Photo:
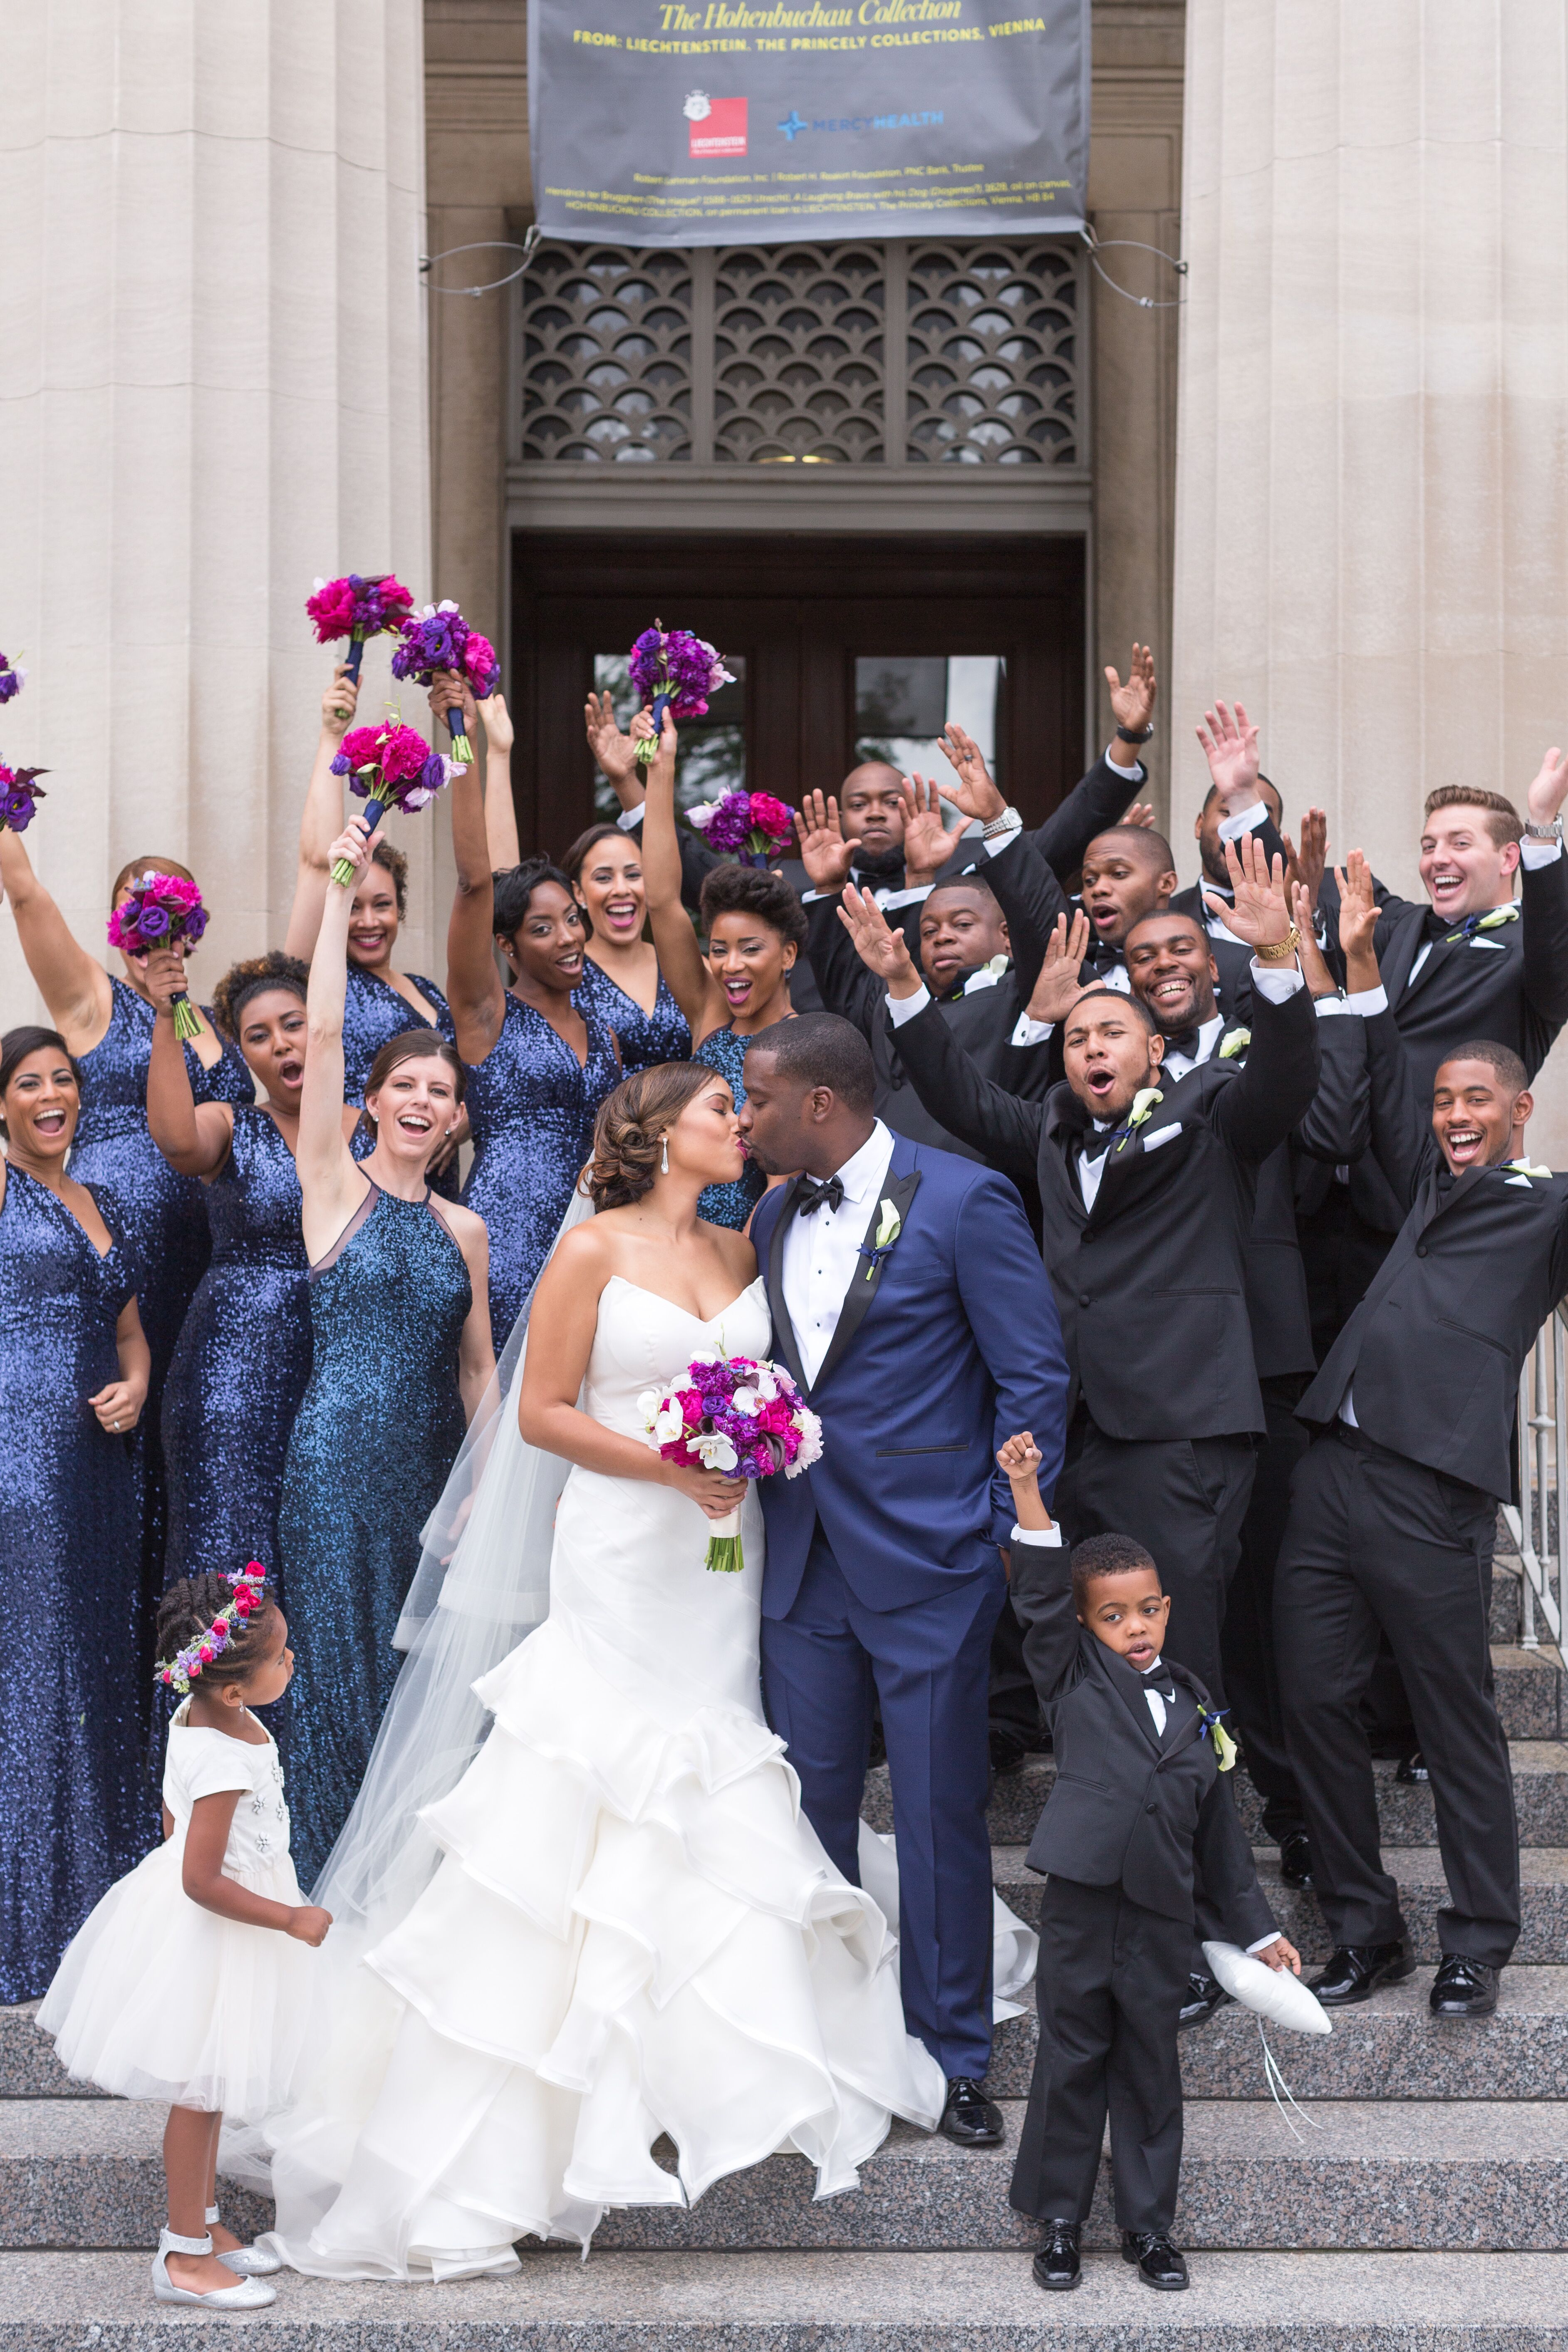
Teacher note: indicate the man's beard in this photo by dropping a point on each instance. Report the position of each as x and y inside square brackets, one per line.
[881, 865]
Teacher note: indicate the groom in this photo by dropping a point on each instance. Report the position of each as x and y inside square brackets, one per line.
[910, 1302]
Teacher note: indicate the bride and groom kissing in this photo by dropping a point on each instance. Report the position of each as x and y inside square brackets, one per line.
[651, 1908]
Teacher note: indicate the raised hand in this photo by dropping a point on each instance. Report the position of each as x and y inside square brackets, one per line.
[338, 704]
[1320, 979]
[1229, 742]
[165, 977]
[880, 948]
[352, 847]
[1358, 921]
[973, 791]
[615, 753]
[1133, 704]
[450, 692]
[1259, 917]
[928, 845]
[823, 852]
[1140, 814]
[1547, 794]
[1306, 863]
[498, 733]
[1058, 988]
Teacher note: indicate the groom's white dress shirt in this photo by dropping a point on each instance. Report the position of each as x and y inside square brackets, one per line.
[821, 1252]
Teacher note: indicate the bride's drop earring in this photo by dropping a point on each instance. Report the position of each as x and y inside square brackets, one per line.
[664, 1157]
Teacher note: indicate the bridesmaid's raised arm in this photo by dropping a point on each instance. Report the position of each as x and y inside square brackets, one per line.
[679, 957]
[473, 984]
[321, 819]
[331, 1182]
[195, 1138]
[500, 809]
[73, 984]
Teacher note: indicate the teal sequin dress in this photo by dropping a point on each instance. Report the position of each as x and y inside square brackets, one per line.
[380, 1423]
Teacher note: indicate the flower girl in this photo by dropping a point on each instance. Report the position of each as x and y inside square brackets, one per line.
[188, 1981]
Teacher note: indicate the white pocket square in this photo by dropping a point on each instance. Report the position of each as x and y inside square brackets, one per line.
[1520, 1179]
[1159, 1135]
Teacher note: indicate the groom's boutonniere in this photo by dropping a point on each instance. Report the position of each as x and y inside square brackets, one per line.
[890, 1225]
[1237, 1043]
[1214, 1731]
[1523, 1172]
[1143, 1103]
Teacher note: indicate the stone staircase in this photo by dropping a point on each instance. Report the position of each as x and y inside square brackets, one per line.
[1420, 2206]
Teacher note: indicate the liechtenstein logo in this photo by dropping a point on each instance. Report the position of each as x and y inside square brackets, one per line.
[718, 125]
[792, 126]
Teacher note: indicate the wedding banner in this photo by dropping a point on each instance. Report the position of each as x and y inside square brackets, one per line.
[683, 122]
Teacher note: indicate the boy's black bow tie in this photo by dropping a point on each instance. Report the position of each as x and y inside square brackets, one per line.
[811, 1194]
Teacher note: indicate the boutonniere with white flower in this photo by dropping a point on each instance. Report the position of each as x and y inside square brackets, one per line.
[890, 1225]
[1214, 1730]
[1525, 1168]
[1235, 1043]
[1142, 1108]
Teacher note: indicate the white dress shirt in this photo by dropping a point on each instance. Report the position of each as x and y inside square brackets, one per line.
[821, 1251]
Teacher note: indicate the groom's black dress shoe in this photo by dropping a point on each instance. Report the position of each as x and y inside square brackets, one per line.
[1463, 1988]
[969, 2117]
[1355, 1972]
[1204, 1995]
[1159, 2264]
[1057, 2264]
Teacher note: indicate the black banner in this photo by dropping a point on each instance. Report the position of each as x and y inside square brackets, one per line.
[689, 122]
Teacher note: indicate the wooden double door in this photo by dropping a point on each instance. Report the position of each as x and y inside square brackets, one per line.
[832, 634]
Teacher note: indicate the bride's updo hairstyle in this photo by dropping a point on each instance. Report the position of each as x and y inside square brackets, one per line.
[631, 1128]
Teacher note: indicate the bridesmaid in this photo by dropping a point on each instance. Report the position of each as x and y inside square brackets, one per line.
[243, 1357]
[400, 1354]
[76, 1809]
[621, 977]
[540, 1054]
[755, 927]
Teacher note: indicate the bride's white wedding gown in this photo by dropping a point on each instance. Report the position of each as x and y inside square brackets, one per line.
[634, 1929]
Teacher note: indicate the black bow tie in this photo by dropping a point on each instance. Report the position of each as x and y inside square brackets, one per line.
[1183, 1041]
[812, 1195]
[1103, 957]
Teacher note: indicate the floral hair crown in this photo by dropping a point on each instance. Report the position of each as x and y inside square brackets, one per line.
[182, 1670]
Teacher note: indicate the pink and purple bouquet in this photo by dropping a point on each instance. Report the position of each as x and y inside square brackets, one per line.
[675, 671]
[387, 766]
[441, 639]
[158, 911]
[358, 608]
[739, 1414]
[19, 791]
[13, 679]
[757, 828]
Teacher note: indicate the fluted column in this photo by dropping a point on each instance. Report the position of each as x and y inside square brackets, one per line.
[213, 387]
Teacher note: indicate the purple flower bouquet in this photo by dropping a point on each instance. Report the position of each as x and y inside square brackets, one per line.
[19, 791]
[675, 671]
[441, 639]
[12, 680]
[158, 911]
[758, 828]
[739, 1414]
[391, 766]
[358, 608]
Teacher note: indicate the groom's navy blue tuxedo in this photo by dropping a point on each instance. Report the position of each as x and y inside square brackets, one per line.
[882, 1565]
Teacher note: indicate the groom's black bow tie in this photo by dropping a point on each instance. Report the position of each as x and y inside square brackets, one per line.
[1183, 1041]
[811, 1194]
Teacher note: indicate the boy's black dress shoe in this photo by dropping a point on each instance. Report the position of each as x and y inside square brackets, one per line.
[1159, 2264]
[1412, 1769]
[1355, 1972]
[1057, 2264]
[969, 2117]
[1295, 1859]
[1204, 1995]
[1463, 1988]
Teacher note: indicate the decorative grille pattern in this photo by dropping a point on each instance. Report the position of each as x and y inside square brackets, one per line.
[605, 356]
[992, 354]
[797, 353]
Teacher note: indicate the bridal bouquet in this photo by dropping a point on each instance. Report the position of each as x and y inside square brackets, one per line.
[441, 639]
[20, 791]
[387, 765]
[159, 912]
[12, 680]
[757, 828]
[675, 671]
[358, 608]
[739, 1414]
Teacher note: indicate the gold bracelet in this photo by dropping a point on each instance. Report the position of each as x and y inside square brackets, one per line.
[1280, 951]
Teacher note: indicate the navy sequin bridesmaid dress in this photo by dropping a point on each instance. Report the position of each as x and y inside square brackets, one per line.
[730, 1205]
[531, 1107]
[646, 1038]
[242, 1362]
[374, 1013]
[76, 1810]
[374, 1439]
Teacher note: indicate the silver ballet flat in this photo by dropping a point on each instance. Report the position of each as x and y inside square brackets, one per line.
[246, 2261]
[245, 2295]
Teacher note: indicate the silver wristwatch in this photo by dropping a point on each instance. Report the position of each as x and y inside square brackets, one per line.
[1010, 822]
[1553, 831]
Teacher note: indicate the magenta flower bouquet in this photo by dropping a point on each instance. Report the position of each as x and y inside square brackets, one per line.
[757, 828]
[673, 670]
[358, 608]
[739, 1414]
[20, 791]
[12, 680]
[387, 766]
[158, 912]
[441, 639]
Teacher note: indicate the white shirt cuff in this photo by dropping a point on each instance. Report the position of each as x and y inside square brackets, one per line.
[630, 818]
[1278, 982]
[1263, 1943]
[1043, 1536]
[1325, 1007]
[807, 895]
[915, 897]
[1240, 820]
[1027, 1030]
[1134, 774]
[904, 1008]
[1533, 854]
[998, 842]
[1367, 1001]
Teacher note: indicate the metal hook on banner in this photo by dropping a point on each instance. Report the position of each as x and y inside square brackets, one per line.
[1097, 245]
[427, 262]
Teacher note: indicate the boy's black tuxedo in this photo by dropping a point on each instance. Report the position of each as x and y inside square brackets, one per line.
[1139, 1842]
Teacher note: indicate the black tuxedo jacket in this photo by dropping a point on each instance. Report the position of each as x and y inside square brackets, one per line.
[1150, 1283]
[1130, 1807]
[1096, 801]
[1435, 1350]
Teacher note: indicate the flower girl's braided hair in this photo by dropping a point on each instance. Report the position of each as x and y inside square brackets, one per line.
[629, 1132]
[189, 1612]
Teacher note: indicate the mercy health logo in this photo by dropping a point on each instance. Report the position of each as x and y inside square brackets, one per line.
[718, 125]
[793, 123]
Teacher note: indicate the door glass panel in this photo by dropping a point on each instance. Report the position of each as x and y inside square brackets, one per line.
[712, 755]
[903, 701]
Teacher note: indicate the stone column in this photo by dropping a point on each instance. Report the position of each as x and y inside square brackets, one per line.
[1371, 504]
[214, 387]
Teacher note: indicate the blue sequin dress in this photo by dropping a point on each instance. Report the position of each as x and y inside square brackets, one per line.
[646, 1038]
[532, 1108]
[730, 1205]
[242, 1361]
[374, 1439]
[76, 1810]
[374, 1013]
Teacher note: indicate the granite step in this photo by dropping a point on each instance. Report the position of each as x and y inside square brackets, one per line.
[834, 2303]
[1380, 2176]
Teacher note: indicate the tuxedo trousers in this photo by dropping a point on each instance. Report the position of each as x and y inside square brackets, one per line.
[1247, 1644]
[1376, 1543]
[1108, 1987]
[927, 1666]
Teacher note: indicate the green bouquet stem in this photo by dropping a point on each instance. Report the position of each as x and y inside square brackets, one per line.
[725, 1556]
[188, 1021]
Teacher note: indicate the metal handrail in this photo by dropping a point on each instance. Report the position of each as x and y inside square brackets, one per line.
[1544, 1482]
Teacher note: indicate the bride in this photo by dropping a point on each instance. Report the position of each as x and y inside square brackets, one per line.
[612, 1921]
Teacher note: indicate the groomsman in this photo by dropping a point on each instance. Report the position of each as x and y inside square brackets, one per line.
[1240, 800]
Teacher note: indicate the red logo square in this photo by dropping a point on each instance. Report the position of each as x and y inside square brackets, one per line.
[722, 131]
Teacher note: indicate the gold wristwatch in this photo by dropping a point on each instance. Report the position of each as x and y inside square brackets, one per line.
[1280, 951]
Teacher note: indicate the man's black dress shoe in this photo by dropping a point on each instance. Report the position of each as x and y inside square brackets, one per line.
[1295, 1859]
[1057, 2264]
[1412, 1769]
[1464, 1987]
[1204, 1995]
[1355, 1972]
[1159, 2264]
[969, 2117]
